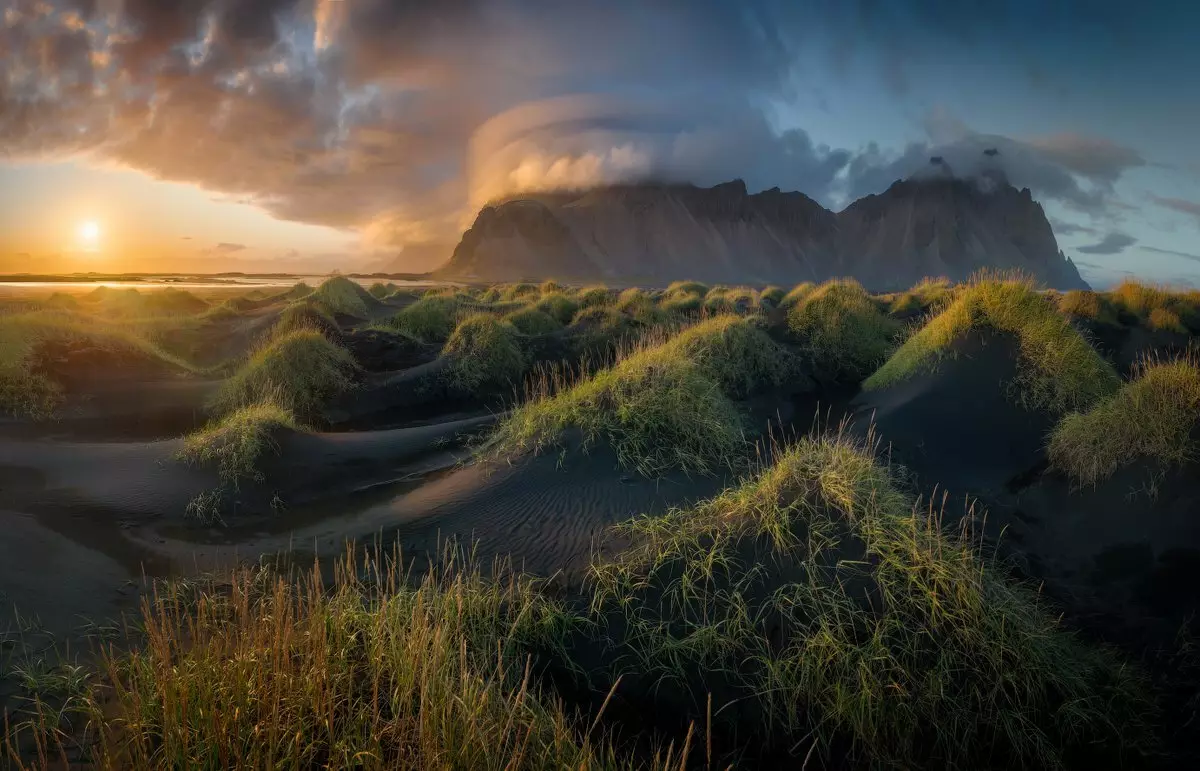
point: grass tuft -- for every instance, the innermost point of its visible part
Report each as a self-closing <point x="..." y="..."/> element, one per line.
<point x="771" y="297"/>
<point x="431" y="319"/>
<point x="797" y="293"/>
<point x="595" y="296"/>
<point x="1165" y="320"/>
<point x="236" y="442"/>
<point x="1059" y="369"/>
<point x="341" y="295"/>
<point x="297" y="371"/>
<point x="558" y="305"/>
<point x="1153" y="417"/>
<point x="842" y="329"/>
<point x="484" y="351"/>
<point x="1088" y="306"/>
<point x="531" y="321"/>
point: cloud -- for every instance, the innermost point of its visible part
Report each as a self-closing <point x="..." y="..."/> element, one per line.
<point x="1064" y="228"/>
<point x="1172" y="252"/>
<point x="226" y="249"/>
<point x="1075" y="170"/>
<point x="1113" y="243"/>
<point x="1183" y="206"/>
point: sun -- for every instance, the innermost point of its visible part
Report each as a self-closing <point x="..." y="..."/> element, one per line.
<point x="89" y="234"/>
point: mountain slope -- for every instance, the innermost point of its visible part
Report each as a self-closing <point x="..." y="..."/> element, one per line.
<point x="659" y="233"/>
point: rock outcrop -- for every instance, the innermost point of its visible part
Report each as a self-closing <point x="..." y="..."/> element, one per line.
<point x="653" y="233"/>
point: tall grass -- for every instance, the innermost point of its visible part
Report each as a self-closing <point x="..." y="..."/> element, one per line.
<point x="1059" y="369"/>
<point x="1154" y="416"/>
<point x="834" y="610"/>
<point x="373" y="672"/>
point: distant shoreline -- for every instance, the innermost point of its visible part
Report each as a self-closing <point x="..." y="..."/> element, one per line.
<point x="75" y="278"/>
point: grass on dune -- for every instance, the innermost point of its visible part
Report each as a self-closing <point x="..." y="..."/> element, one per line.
<point x="658" y="409"/>
<point x="797" y="293"/>
<point x="595" y="296"/>
<point x="274" y="670"/>
<point x="1153" y="417"/>
<point x="842" y="329"/>
<point x="235" y="443"/>
<point x="558" y="305"/>
<point x="771" y="297"/>
<point x="682" y="304"/>
<point x="724" y="299"/>
<point x="24" y="391"/>
<point x="1165" y="320"/>
<point x="833" y="610"/>
<point x="929" y="293"/>
<point x="431" y="319"/>
<point x="297" y="371"/>
<point x="484" y="351"/>
<point x="665" y="405"/>
<point x="1059" y="370"/>
<point x="341" y="295"/>
<point x="1142" y="300"/>
<point x="306" y="315"/>
<point x="688" y="287"/>
<point x="641" y="307"/>
<point x="531" y="321"/>
<point x="1086" y="305"/>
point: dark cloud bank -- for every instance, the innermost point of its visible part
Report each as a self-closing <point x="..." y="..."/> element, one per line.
<point x="401" y="118"/>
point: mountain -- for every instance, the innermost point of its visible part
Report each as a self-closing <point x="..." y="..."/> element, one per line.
<point x="935" y="225"/>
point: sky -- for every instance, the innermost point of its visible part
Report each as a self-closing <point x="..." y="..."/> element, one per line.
<point x="258" y="135"/>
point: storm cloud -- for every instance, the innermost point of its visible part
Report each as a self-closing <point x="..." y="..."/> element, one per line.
<point x="399" y="119"/>
<point x="1113" y="243"/>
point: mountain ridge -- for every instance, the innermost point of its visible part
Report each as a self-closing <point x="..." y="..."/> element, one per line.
<point x="934" y="225"/>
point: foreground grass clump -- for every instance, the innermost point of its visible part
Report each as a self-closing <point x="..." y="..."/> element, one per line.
<point x="341" y="295"/>
<point x="484" y="350"/>
<point x="297" y="371"/>
<point x="1059" y="370"/>
<point x="835" y="612"/>
<point x="431" y="319"/>
<point x="1152" y="417"/>
<point x="276" y="671"/>
<point x="1088" y="306"/>
<point x="842" y="329"/>
<point x="531" y="321"/>
<point x="657" y="408"/>
<point x="235" y="443"/>
<point x="26" y="390"/>
<point x="558" y="305"/>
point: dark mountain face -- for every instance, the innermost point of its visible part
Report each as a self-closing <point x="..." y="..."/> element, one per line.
<point x="935" y="226"/>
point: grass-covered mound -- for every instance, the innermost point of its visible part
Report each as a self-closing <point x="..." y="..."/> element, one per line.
<point x="797" y="293"/>
<point x="687" y="287"/>
<point x="682" y="303"/>
<point x="380" y="290"/>
<point x="235" y="443"/>
<point x="431" y="319"/>
<point x="27" y="390"/>
<point x="828" y="613"/>
<point x="663" y="406"/>
<point x="374" y="672"/>
<point x="658" y="408"/>
<point x="558" y="305"/>
<point x="640" y="306"/>
<point x="1142" y="300"/>
<point x="1059" y="370"/>
<point x="484" y="351"/>
<point x="1087" y="306"/>
<point x="724" y="299"/>
<point x="929" y="293"/>
<point x="341" y="295"/>
<point x="771" y="297"/>
<point x="599" y="332"/>
<point x="531" y="321"/>
<point x="594" y="296"/>
<point x="1154" y="417"/>
<point x="842" y="329"/>
<point x="306" y="315"/>
<point x="298" y="372"/>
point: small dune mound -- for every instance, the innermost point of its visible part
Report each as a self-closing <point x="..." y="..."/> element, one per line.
<point x="1089" y="307"/>
<point x="340" y="295"/>
<point x="1140" y="301"/>
<point x="594" y="296"/>
<point x="771" y="297"/>
<point x="172" y="301"/>
<point x="531" y="321"/>
<point x="638" y="305"/>
<point x="44" y="353"/>
<point x="558" y="305"/>
<point x="306" y="315"/>
<point x="62" y="301"/>
<point x="380" y="290"/>
<point x="828" y="605"/>
<point x="483" y="351"/>
<point x="688" y="287"/>
<point x="842" y="330"/>
<point x="797" y="293"/>
<point x="1154" y="417"/>
<point x="929" y="294"/>
<point x="968" y="400"/>
<point x="431" y="319"/>
<point x="600" y="332"/>
<point x="297" y="292"/>
<point x="380" y="349"/>
<point x="724" y="299"/>
<point x="739" y="355"/>
<point x="681" y="303"/>
<point x="297" y="371"/>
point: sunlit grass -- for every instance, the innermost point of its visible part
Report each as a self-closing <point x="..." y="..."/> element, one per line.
<point x="484" y="351"/>
<point x="1152" y="417"/>
<point x="1059" y="370"/>
<point x="341" y="295"/>
<point x="431" y="319"/>
<point x="842" y="329"/>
